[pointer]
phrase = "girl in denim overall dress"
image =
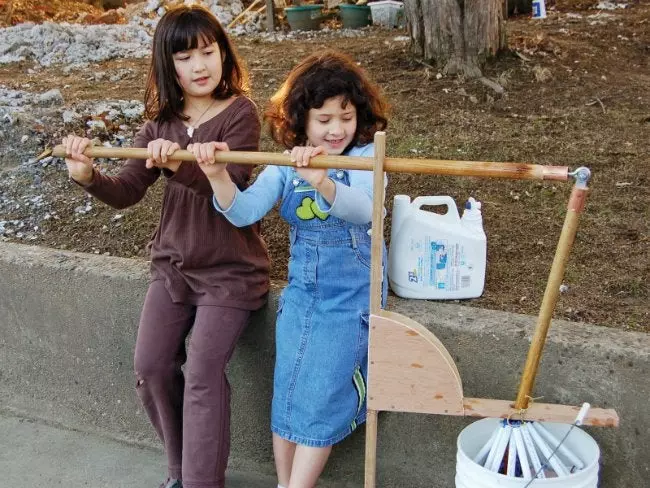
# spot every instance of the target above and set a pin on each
(326, 106)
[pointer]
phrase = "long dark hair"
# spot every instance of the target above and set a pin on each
(316, 79)
(180, 29)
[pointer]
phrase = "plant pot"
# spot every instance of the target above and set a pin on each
(304, 17)
(387, 13)
(355, 16)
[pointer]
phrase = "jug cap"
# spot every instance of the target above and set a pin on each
(472, 204)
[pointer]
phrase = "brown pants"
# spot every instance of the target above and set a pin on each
(191, 411)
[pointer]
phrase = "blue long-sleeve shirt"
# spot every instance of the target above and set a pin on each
(352, 203)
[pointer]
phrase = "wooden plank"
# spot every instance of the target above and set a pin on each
(244, 12)
(418, 329)
(410, 370)
(543, 412)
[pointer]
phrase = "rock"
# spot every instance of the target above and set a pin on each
(609, 6)
(83, 209)
(152, 5)
(50, 98)
(52, 43)
(96, 127)
(134, 110)
(70, 116)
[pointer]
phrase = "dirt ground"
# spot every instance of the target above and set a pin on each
(577, 92)
(53, 10)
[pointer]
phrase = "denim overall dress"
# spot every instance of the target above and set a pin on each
(319, 394)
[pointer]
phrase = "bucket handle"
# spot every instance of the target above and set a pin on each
(452, 211)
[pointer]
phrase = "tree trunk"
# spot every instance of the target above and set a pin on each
(270, 16)
(459, 36)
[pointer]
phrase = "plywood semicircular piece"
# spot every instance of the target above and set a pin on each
(409, 369)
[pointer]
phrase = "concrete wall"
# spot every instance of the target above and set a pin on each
(68, 324)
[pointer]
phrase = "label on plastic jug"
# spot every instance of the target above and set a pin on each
(438, 264)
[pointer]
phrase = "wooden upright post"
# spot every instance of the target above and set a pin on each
(376, 279)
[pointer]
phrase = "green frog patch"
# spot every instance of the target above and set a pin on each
(308, 210)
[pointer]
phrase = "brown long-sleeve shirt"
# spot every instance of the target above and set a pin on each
(202, 258)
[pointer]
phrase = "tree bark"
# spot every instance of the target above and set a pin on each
(458, 36)
(270, 16)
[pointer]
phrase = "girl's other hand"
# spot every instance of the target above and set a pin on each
(204, 154)
(159, 152)
(80, 167)
(301, 155)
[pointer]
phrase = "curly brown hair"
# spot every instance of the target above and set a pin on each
(310, 84)
(180, 29)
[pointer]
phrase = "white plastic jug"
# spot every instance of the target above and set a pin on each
(436, 256)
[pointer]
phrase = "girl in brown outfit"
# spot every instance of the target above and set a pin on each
(207, 275)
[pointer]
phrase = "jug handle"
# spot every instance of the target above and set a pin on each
(452, 210)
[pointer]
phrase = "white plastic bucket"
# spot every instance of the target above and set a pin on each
(472, 475)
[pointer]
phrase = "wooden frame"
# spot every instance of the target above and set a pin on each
(409, 369)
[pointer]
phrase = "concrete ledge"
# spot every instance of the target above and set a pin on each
(68, 324)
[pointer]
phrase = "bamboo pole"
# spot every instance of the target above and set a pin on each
(516, 171)
(567, 236)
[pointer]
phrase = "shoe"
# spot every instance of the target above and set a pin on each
(171, 483)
